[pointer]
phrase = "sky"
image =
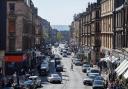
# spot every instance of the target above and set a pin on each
(60, 12)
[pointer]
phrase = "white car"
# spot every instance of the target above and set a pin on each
(54, 78)
(36, 80)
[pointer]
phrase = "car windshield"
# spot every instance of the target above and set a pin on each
(86, 65)
(55, 75)
(77, 61)
(94, 71)
(99, 78)
(92, 76)
(98, 82)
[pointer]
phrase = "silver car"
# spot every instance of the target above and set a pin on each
(54, 78)
(88, 80)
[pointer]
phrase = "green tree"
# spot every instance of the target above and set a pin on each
(59, 36)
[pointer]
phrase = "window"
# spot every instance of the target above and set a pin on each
(11, 44)
(11, 26)
(12, 7)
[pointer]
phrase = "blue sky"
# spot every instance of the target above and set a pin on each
(60, 12)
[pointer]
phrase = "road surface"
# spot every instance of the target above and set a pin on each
(71, 79)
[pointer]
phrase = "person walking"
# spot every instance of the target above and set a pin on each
(71, 66)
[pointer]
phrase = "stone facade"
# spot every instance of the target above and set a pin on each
(86, 28)
(19, 25)
(120, 25)
(38, 31)
(107, 7)
(102, 28)
(75, 32)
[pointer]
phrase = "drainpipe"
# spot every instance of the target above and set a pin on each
(114, 26)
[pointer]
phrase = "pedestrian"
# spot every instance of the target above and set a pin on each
(72, 60)
(71, 66)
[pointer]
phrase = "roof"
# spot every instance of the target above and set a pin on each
(33, 76)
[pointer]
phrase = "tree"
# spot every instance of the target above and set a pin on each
(59, 36)
(45, 34)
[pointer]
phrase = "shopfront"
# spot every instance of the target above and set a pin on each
(15, 61)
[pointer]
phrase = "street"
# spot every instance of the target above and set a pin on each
(72, 79)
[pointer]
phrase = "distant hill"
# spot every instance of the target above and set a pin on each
(61, 27)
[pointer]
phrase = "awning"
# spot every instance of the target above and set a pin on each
(122, 69)
(126, 74)
(120, 65)
(15, 57)
(111, 59)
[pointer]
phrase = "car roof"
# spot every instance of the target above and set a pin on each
(28, 82)
(94, 69)
(33, 77)
(54, 74)
(98, 81)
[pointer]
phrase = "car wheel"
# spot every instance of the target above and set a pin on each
(60, 82)
(40, 85)
(84, 83)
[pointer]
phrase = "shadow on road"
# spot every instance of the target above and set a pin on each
(65, 75)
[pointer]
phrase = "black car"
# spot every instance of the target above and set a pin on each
(57, 62)
(52, 56)
(59, 68)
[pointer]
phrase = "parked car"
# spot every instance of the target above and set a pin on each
(88, 70)
(98, 84)
(57, 62)
(28, 84)
(64, 54)
(85, 67)
(61, 53)
(36, 80)
(99, 78)
(44, 69)
(54, 78)
(77, 62)
(57, 57)
(94, 71)
(59, 68)
(88, 80)
(68, 53)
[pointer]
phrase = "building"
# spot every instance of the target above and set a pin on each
(120, 24)
(46, 31)
(95, 32)
(3, 17)
(90, 31)
(75, 33)
(107, 7)
(120, 29)
(3, 25)
(38, 32)
(19, 25)
(20, 35)
(53, 35)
